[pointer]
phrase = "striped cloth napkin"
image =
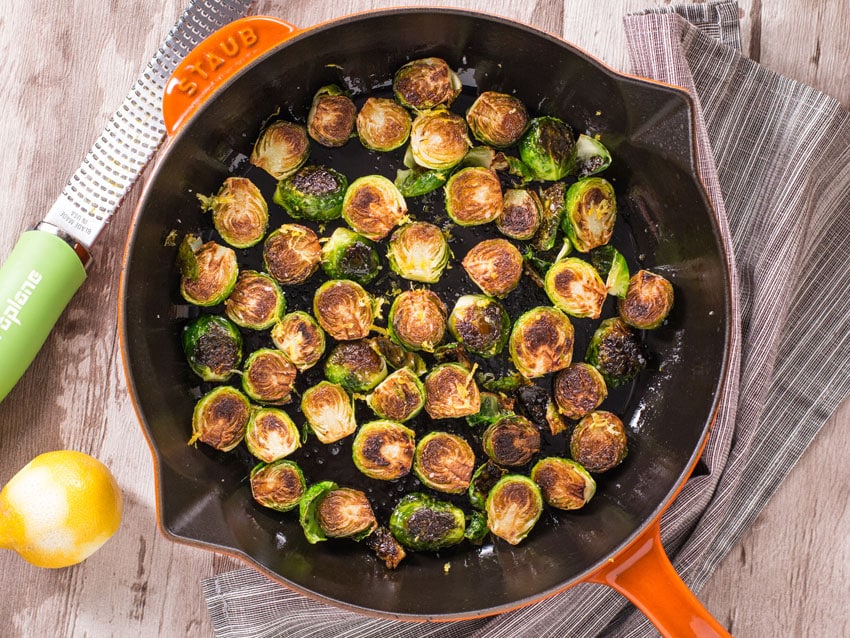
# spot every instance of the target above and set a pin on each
(775, 157)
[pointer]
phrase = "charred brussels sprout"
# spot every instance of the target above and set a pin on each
(616, 352)
(648, 300)
(281, 149)
(329, 411)
(345, 513)
(387, 548)
(307, 511)
(208, 271)
(511, 441)
(439, 139)
(291, 254)
(331, 118)
(349, 255)
(564, 483)
(213, 347)
(483, 480)
(495, 266)
(513, 507)
(383, 450)
(541, 341)
(547, 148)
(271, 435)
(589, 157)
(426, 83)
(599, 441)
(220, 418)
(444, 462)
(451, 392)
(574, 286)
(419, 252)
(373, 206)
(278, 485)
(474, 196)
(590, 213)
(382, 124)
(268, 377)
(239, 211)
(481, 324)
(344, 309)
(497, 119)
(520, 216)
(417, 320)
(552, 199)
(417, 181)
(256, 301)
(612, 267)
(423, 523)
(314, 193)
(300, 339)
(356, 366)
(399, 397)
(579, 389)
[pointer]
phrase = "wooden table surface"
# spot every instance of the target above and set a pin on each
(64, 68)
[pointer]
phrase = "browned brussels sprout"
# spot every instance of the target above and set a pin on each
(599, 441)
(514, 506)
(398, 357)
(481, 324)
(497, 119)
(483, 480)
(422, 523)
(373, 206)
(271, 435)
(451, 392)
(648, 300)
(590, 212)
(208, 271)
(300, 339)
(399, 397)
(511, 441)
(239, 211)
(331, 118)
(349, 255)
(307, 511)
(417, 320)
(384, 450)
(541, 341)
(344, 309)
(439, 139)
(474, 196)
(356, 366)
(281, 149)
(213, 347)
(547, 148)
(579, 390)
(313, 192)
(444, 462)
(419, 252)
(589, 157)
(575, 287)
(220, 418)
(495, 266)
(564, 483)
(426, 83)
(278, 485)
(616, 352)
(382, 124)
(387, 548)
(345, 513)
(552, 199)
(329, 411)
(520, 216)
(268, 376)
(256, 302)
(291, 254)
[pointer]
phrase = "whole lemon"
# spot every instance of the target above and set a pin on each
(59, 509)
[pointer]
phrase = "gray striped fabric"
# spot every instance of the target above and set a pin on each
(775, 158)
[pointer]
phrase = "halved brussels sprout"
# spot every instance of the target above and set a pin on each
(497, 119)
(564, 483)
(349, 255)
(382, 124)
(213, 347)
(474, 196)
(345, 513)
(331, 118)
(329, 411)
(481, 324)
(487, 157)
(271, 435)
(291, 254)
(495, 266)
(313, 192)
(373, 206)
(541, 341)
(616, 352)
(256, 302)
(419, 252)
(307, 511)
(575, 287)
(398, 357)
(268, 376)
(552, 199)
(511, 441)
(282, 148)
(547, 147)
(423, 523)
(278, 485)
(612, 267)
(590, 213)
(451, 392)
(444, 462)
(299, 338)
(599, 441)
(383, 450)
(417, 319)
(589, 157)
(239, 211)
(356, 366)
(579, 390)
(483, 480)
(439, 139)
(520, 215)
(417, 181)
(399, 397)
(220, 418)
(387, 548)
(344, 309)
(513, 507)
(556, 422)
(208, 271)
(492, 409)
(648, 300)
(426, 83)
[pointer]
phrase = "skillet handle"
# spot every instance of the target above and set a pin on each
(215, 60)
(644, 574)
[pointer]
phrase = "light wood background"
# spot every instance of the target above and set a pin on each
(64, 67)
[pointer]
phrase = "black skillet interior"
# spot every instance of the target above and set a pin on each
(665, 224)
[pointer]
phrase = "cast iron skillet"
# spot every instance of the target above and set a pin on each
(666, 224)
